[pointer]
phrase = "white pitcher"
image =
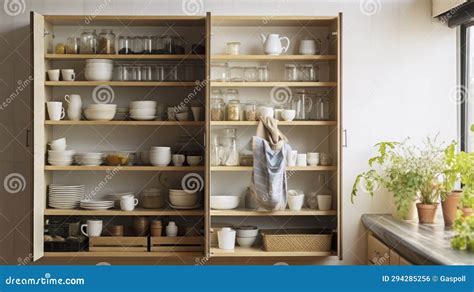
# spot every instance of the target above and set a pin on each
(74, 108)
(272, 44)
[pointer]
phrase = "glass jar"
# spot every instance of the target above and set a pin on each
(232, 48)
(236, 74)
(106, 42)
(126, 45)
(72, 45)
(217, 109)
(250, 111)
(250, 74)
(148, 44)
(291, 72)
(167, 41)
(158, 46)
(229, 156)
(136, 73)
(262, 73)
(146, 73)
(233, 110)
(219, 72)
(138, 45)
(215, 150)
(89, 42)
(127, 74)
(170, 72)
(323, 108)
(118, 72)
(302, 103)
(307, 72)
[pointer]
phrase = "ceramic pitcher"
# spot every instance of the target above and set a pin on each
(272, 44)
(74, 108)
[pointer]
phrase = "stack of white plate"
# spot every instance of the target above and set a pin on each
(99, 69)
(100, 111)
(60, 157)
(65, 197)
(96, 204)
(143, 110)
(89, 158)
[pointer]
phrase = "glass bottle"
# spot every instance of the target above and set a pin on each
(89, 42)
(106, 42)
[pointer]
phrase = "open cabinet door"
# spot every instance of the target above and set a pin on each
(207, 192)
(39, 187)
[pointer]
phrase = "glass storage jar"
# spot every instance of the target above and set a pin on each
(138, 45)
(250, 111)
(219, 72)
(118, 72)
(125, 44)
(106, 42)
(170, 72)
(233, 110)
(250, 74)
(291, 72)
(307, 72)
(148, 44)
(262, 73)
(236, 74)
(217, 109)
(158, 45)
(146, 73)
(215, 150)
(127, 74)
(89, 42)
(302, 103)
(323, 108)
(72, 45)
(159, 73)
(136, 73)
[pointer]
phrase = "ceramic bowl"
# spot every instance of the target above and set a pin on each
(180, 200)
(98, 75)
(143, 104)
(143, 112)
(99, 115)
(57, 147)
(182, 116)
(288, 115)
(61, 141)
(224, 202)
(296, 202)
(247, 231)
(246, 241)
(99, 61)
(102, 106)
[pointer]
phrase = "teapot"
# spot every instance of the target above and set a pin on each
(272, 44)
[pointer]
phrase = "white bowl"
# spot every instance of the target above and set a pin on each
(143, 118)
(188, 200)
(90, 155)
(99, 115)
(61, 141)
(98, 75)
(102, 106)
(288, 115)
(57, 147)
(99, 67)
(141, 104)
(224, 202)
(182, 116)
(62, 152)
(246, 241)
(60, 163)
(161, 160)
(142, 112)
(247, 232)
(99, 61)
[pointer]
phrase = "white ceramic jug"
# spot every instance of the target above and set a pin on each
(226, 238)
(74, 108)
(272, 44)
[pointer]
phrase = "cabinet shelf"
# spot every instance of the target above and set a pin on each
(289, 168)
(123, 168)
(280, 123)
(123, 57)
(273, 84)
(246, 58)
(120, 83)
(116, 254)
(124, 123)
(243, 212)
(136, 212)
(258, 252)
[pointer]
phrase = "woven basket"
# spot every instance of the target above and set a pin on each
(296, 240)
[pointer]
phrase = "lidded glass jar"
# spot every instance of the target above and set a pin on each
(262, 73)
(126, 45)
(307, 72)
(148, 44)
(106, 42)
(250, 111)
(219, 72)
(73, 45)
(89, 42)
(158, 46)
(233, 110)
(217, 109)
(138, 45)
(250, 74)
(236, 74)
(291, 72)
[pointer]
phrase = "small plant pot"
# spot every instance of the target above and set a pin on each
(466, 212)
(426, 213)
(450, 206)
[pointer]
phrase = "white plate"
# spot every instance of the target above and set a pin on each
(185, 208)
(96, 208)
(66, 187)
(143, 118)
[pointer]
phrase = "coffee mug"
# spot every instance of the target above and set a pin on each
(128, 203)
(291, 158)
(53, 75)
(68, 74)
(94, 228)
(193, 160)
(55, 110)
(178, 159)
(301, 159)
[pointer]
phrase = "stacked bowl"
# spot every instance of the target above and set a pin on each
(100, 112)
(58, 144)
(99, 70)
(180, 199)
(247, 235)
(89, 158)
(60, 157)
(65, 197)
(144, 110)
(160, 156)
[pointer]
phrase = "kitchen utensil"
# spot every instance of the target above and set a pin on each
(312, 158)
(74, 109)
(301, 159)
(226, 238)
(68, 74)
(53, 75)
(324, 202)
(55, 110)
(224, 202)
(128, 203)
(193, 160)
(272, 44)
(178, 159)
(171, 229)
(232, 48)
(94, 228)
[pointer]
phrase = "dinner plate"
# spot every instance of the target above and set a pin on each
(143, 118)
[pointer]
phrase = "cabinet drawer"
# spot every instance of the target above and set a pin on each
(377, 252)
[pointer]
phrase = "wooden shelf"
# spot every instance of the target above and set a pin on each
(258, 252)
(125, 20)
(273, 84)
(124, 123)
(121, 83)
(115, 254)
(273, 20)
(252, 213)
(246, 58)
(289, 168)
(123, 57)
(136, 212)
(123, 168)
(280, 123)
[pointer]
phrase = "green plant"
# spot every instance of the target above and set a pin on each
(464, 233)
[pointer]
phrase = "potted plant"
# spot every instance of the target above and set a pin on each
(450, 197)
(464, 233)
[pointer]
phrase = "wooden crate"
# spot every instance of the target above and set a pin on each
(118, 243)
(178, 243)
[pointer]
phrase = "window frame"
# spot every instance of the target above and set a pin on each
(464, 93)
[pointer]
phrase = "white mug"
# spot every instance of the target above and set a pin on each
(178, 159)
(312, 158)
(291, 158)
(193, 160)
(55, 110)
(128, 203)
(94, 228)
(53, 75)
(301, 159)
(324, 202)
(68, 74)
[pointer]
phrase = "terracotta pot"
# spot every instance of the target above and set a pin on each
(426, 213)
(466, 212)
(450, 206)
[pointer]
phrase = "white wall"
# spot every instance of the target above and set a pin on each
(399, 68)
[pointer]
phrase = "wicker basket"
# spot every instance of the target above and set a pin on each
(296, 240)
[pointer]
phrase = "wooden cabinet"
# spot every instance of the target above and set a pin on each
(380, 254)
(305, 135)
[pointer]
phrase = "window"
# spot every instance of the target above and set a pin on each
(467, 82)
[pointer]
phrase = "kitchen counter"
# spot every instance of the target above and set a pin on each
(422, 244)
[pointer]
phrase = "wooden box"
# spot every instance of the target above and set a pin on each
(118, 243)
